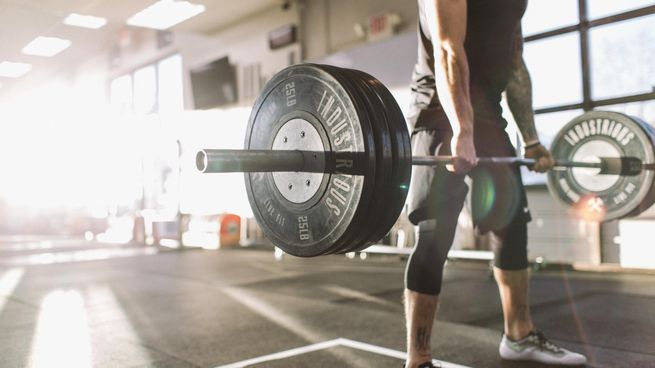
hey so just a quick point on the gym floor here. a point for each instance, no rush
(142, 307)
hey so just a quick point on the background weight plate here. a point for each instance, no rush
(649, 199)
(601, 197)
(307, 229)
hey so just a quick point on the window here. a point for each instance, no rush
(546, 15)
(120, 94)
(155, 88)
(171, 91)
(554, 65)
(579, 62)
(603, 8)
(623, 58)
(145, 90)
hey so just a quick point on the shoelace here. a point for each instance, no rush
(545, 343)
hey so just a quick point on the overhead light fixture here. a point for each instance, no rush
(164, 14)
(85, 21)
(46, 46)
(13, 70)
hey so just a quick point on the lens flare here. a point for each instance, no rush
(496, 197)
(484, 196)
(590, 208)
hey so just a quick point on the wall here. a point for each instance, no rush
(245, 44)
(556, 236)
(328, 25)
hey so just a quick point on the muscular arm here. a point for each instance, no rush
(519, 99)
(519, 95)
(446, 20)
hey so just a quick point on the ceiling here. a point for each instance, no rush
(23, 20)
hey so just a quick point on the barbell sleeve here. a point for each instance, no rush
(223, 161)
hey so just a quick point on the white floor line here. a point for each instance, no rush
(373, 349)
(388, 352)
(285, 354)
(8, 281)
(271, 269)
(331, 344)
(351, 293)
(273, 314)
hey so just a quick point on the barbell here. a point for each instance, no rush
(328, 161)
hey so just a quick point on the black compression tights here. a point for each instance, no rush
(425, 266)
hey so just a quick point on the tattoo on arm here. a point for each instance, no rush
(519, 95)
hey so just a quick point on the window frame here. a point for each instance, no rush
(584, 25)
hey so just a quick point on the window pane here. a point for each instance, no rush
(543, 15)
(548, 125)
(171, 91)
(622, 56)
(554, 65)
(120, 94)
(145, 90)
(603, 8)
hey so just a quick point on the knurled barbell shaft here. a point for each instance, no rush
(352, 163)
(626, 166)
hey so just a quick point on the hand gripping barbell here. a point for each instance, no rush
(328, 161)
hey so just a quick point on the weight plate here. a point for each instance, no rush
(363, 216)
(383, 153)
(385, 160)
(400, 140)
(310, 94)
(391, 203)
(601, 134)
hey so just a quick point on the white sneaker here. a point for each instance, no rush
(537, 348)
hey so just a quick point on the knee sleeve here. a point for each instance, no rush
(424, 273)
(510, 246)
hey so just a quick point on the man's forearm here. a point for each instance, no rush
(519, 99)
(452, 81)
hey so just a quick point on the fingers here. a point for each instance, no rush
(544, 159)
(541, 166)
(462, 165)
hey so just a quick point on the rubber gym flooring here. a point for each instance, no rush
(142, 307)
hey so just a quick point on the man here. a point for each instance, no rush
(470, 52)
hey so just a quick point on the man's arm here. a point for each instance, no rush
(519, 95)
(519, 99)
(447, 23)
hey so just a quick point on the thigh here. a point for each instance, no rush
(498, 196)
(434, 191)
